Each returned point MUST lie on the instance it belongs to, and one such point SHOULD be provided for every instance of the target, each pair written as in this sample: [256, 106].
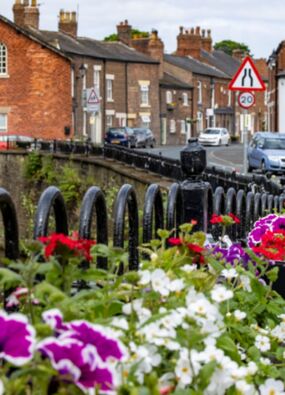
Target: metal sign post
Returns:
[245, 140]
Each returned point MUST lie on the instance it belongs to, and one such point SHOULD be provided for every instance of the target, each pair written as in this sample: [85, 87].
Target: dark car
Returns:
[121, 136]
[267, 152]
[144, 138]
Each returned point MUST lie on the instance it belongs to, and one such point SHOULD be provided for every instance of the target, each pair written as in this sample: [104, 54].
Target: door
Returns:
[163, 131]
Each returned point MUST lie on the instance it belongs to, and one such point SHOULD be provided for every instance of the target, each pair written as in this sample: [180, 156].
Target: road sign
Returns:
[93, 101]
[247, 78]
[246, 99]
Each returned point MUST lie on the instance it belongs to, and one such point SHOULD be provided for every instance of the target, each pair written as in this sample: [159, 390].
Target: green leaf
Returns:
[272, 274]
[254, 353]
[227, 344]
[9, 279]
[206, 373]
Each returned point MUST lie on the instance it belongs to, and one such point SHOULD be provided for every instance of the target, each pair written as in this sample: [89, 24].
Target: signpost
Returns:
[246, 80]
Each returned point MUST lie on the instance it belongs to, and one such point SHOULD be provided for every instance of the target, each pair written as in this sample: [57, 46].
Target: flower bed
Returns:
[195, 318]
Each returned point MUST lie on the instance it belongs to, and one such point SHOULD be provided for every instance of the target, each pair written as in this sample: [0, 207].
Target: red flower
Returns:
[175, 241]
[195, 248]
[216, 219]
[193, 222]
[60, 244]
[272, 245]
[235, 218]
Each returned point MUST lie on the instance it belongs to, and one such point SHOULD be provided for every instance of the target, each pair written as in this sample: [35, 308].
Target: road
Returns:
[230, 158]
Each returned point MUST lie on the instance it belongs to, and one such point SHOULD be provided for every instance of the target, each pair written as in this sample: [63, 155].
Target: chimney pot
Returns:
[203, 32]
[198, 30]
[209, 32]
[73, 16]
[126, 22]
[192, 30]
[34, 3]
[181, 29]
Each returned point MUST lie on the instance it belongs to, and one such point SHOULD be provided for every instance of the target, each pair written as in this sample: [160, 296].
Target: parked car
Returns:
[144, 138]
[266, 152]
[122, 136]
[215, 136]
[11, 141]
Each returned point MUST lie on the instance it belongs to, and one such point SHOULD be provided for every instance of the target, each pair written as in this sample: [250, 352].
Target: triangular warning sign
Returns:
[247, 78]
[93, 98]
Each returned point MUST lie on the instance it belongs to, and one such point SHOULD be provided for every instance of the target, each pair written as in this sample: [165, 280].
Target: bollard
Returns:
[195, 191]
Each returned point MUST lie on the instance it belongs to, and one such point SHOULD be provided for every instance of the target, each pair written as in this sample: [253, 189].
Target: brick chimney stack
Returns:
[207, 40]
[124, 31]
[189, 42]
[239, 54]
[156, 50]
[26, 15]
[68, 23]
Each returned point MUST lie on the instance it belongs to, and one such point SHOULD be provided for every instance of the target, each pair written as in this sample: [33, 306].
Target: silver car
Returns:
[215, 136]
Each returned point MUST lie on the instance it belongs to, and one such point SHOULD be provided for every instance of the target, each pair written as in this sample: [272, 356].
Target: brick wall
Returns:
[37, 93]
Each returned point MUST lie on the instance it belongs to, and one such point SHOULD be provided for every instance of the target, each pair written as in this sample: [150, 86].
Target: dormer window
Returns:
[3, 59]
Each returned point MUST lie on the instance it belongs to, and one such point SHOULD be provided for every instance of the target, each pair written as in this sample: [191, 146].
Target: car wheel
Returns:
[228, 143]
[263, 167]
[249, 169]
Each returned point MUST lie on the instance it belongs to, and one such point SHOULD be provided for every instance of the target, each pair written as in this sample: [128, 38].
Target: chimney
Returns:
[124, 31]
[239, 54]
[189, 42]
[156, 50]
[68, 23]
[18, 12]
[207, 41]
[26, 15]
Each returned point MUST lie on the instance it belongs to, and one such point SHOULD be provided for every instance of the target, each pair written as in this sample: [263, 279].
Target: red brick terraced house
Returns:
[35, 84]
[53, 100]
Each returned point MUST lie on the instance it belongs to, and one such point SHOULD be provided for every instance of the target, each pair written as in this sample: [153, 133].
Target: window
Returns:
[212, 96]
[144, 95]
[168, 97]
[109, 121]
[172, 126]
[97, 81]
[199, 88]
[229, 98]
[3, 122]
[3, 59]
[183, 127]
[185, 99]
[109, 89]
[145, 121]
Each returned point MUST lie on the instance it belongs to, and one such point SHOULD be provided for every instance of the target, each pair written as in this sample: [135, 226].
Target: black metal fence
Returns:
[248, 206]
[167, 167]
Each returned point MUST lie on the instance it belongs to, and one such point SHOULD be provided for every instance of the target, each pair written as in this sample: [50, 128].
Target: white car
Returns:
[215, 136]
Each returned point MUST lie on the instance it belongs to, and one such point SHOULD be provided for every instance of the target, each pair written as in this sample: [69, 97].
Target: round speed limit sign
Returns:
[246, 99]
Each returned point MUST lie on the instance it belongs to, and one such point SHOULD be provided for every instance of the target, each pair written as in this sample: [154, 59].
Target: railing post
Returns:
[195, 192]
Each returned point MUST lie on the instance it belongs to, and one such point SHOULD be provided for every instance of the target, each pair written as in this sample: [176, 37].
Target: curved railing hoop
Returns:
[126, 198]
[153, 204]
[94, 201]
[174, 211]
[10, 221]
[50, 199]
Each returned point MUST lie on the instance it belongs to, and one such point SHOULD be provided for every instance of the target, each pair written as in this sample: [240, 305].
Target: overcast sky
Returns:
[257, 23]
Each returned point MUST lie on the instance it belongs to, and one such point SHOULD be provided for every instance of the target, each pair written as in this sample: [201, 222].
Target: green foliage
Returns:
[33, 166]
[134, 32]
[228, 46]
[70, 184]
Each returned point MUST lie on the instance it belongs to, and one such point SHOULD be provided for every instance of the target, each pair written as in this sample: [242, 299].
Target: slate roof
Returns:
[194, 65]
[93, 48]
[169, 81]
[30, 34]
[221, 61]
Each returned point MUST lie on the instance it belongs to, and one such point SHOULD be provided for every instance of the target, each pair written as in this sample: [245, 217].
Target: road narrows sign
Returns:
[247, 78]
[93, 101]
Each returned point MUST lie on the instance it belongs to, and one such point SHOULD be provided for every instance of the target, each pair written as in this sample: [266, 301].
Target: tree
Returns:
[135, 32]
[228, 46]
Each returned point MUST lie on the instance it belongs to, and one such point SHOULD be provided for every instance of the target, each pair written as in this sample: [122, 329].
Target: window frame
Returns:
[200, 93]
[169, 97]
[5, 128]
[144, 95]
[3, 59]
[185, 99]
[109, 89]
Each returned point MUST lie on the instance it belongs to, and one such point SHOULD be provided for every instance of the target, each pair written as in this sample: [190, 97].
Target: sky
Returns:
[257, 23]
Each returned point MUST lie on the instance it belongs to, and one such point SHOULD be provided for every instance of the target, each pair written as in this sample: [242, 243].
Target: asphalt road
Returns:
[230, 158]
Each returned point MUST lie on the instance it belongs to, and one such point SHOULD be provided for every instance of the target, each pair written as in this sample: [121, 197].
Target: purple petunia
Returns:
[85, 353]
[271, 222]
[17, 339]
[232, 254]
[79, 363]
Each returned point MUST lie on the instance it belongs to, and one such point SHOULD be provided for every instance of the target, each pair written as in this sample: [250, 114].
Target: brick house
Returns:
[30, 103]
[276, 89]
[176, 94]
[125, 81]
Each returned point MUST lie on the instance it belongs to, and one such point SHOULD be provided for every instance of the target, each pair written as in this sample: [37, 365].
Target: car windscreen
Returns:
[139, 132]
[274, 144]
[117, 132]
[211, 131]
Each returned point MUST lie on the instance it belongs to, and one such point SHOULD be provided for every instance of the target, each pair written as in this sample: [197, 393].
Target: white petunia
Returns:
[146, 357]
[189, 268]
[262, 343]
[244, 388]
[245, 283]
[272, 387]
[176, 285]
[229, 274]
[220, 293]
[121, 323]
[145, 277]
[239, 315]
[183, 371]
[279, 332]
[153, 257]
[160, 282]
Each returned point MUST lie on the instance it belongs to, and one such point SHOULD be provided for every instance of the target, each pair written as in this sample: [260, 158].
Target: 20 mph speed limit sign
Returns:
[246, 99]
